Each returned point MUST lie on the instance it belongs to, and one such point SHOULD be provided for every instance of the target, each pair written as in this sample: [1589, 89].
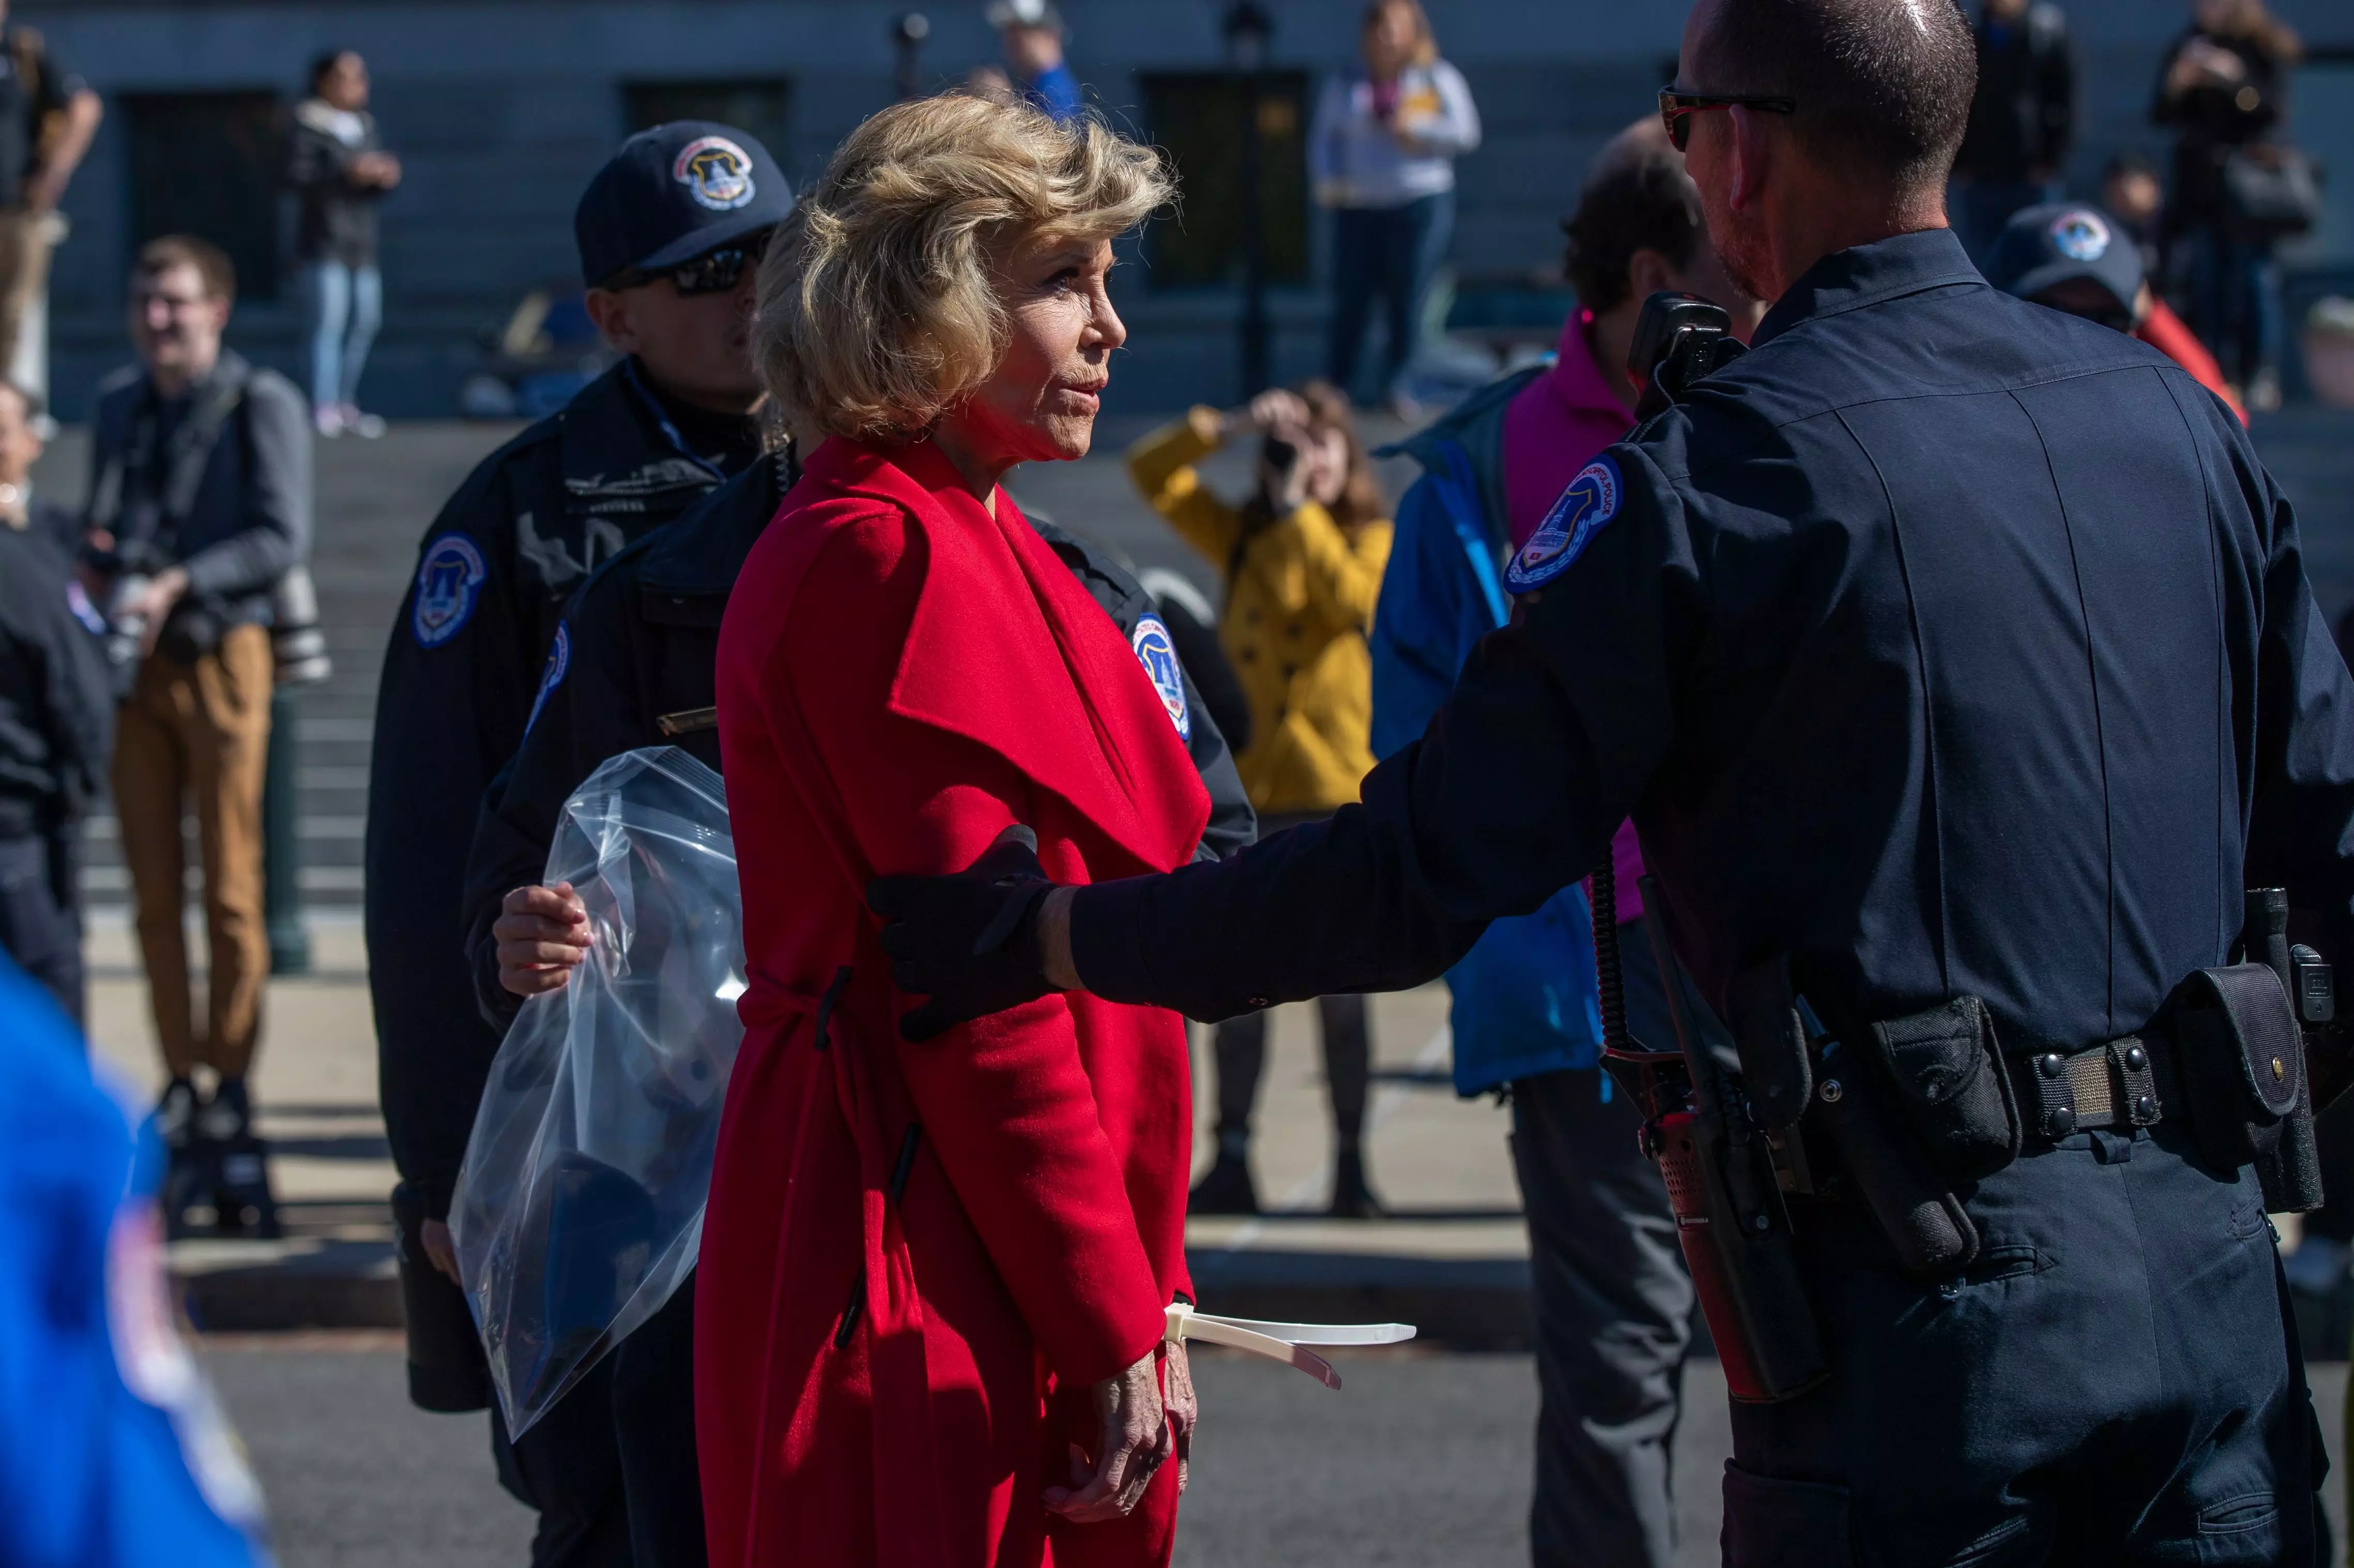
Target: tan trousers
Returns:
[23, 272]
[203, 731]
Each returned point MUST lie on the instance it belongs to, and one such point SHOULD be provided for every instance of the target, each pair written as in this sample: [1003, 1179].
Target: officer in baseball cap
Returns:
[2077, 258]
[669, 233]
[2073, 257]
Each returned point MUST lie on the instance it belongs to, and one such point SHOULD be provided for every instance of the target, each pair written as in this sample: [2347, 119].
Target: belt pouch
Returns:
[1948, 1075]
[1932, 1233]
[2243, 1057]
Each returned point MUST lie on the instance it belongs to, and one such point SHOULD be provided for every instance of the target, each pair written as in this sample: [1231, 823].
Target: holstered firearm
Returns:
[2290, 1169]
[1721, 1175]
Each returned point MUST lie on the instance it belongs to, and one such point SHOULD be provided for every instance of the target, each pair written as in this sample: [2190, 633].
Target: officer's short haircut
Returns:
[1639, 199]
[211, 263]
[882, 309]
[1882, 85]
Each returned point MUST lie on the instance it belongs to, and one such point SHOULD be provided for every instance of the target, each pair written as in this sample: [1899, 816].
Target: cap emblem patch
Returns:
[716, 171]
[2081, 236]
[1590, 500]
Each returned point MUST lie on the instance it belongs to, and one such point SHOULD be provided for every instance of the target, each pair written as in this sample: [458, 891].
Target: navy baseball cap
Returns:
[673, 193]
[2044, 246]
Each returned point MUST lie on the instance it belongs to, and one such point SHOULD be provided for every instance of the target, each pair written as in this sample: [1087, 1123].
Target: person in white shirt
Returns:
[1382, 152]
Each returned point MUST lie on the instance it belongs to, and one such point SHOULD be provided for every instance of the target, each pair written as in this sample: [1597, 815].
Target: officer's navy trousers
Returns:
[40, 917]
[2116, 1379]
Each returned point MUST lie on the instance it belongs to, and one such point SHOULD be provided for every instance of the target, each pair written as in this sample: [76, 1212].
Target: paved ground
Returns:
[1420, 1459]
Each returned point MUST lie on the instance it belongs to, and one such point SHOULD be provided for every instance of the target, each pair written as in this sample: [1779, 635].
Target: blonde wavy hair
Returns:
[879, 310]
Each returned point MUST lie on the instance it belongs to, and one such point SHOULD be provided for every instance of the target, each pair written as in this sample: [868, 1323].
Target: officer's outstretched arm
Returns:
[1513, 793]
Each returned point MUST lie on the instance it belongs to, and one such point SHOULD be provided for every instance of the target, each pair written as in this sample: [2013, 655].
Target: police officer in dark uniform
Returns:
[57, 737]
[670, 232]
[634, 665]
[1956, 662]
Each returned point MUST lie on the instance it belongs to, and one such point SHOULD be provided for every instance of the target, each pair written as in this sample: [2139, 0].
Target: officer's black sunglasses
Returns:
[713, 272]
[1676, 108]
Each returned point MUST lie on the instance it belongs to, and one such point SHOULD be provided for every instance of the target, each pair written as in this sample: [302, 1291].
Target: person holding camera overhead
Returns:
[1302, 562]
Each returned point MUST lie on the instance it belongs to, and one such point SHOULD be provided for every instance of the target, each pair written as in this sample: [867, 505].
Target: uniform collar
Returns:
[619, 454]
[703, 552]
[1867, 274]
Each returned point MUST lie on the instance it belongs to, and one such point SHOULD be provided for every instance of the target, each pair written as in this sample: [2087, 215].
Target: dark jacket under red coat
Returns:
[902, 674]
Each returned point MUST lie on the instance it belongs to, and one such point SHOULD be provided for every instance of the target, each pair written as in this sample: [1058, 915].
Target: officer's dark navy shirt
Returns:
[56, 702]
[640, 642]
[1945, 642]
[465, 658]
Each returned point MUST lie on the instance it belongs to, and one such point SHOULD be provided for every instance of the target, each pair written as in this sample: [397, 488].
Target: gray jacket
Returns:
[227, 496]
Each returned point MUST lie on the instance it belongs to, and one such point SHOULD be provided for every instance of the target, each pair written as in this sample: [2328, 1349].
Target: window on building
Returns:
[1199, 117]
[210, 164]
[762, 106]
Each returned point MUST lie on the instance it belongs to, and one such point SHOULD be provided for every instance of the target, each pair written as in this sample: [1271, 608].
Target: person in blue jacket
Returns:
[1612, 1296]
[112, 1451]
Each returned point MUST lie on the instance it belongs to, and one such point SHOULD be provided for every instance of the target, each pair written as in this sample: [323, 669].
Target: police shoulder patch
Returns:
[1158, 654]
[449, 580]
[1591, 499]
[560, 658]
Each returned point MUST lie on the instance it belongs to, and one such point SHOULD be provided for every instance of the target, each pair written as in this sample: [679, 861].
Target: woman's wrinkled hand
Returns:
[1183, 1405]
[543, 936]
[1136, 1441]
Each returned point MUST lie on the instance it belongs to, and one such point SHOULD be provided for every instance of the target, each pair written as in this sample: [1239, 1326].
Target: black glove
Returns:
[968, 941]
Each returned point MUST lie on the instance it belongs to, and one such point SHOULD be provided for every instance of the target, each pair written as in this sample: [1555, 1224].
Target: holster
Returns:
[2242, 1056]
[1719, 1162]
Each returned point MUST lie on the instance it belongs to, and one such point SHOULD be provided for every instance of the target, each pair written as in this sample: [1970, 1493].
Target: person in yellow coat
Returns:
[1301, 561]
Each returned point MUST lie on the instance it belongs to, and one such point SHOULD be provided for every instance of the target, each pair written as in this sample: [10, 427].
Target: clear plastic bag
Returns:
[579, 1208]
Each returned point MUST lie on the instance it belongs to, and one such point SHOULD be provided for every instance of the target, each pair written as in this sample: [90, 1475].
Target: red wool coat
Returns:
[901, 675]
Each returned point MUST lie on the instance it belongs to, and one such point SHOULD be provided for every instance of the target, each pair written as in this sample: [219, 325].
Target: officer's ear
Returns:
[610, 309]
[1756, 150]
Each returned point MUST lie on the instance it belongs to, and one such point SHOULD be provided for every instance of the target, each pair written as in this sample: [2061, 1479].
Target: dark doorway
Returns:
[762, 106]
[1198, 117]
[210, 164]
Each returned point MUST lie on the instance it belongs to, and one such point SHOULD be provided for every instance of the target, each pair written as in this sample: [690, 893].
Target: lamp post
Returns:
[909, 32]
[1248, 28]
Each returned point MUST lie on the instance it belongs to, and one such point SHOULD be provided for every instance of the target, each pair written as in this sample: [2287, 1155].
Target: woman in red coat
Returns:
[934, 1276]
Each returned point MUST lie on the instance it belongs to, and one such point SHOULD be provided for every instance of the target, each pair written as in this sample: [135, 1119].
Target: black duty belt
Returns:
[2126, 1082]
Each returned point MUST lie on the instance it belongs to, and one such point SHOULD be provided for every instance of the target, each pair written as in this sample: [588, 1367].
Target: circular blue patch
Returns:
[449, 580]
[1159, 657]
[1591, 499]
[560, 658]
[2081, 236]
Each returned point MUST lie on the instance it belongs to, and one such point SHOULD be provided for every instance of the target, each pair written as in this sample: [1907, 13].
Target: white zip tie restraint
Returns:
[1280, 1342]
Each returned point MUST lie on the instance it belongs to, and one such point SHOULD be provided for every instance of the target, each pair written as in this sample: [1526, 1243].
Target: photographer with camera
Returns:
[1301, 561]
[200, 503]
